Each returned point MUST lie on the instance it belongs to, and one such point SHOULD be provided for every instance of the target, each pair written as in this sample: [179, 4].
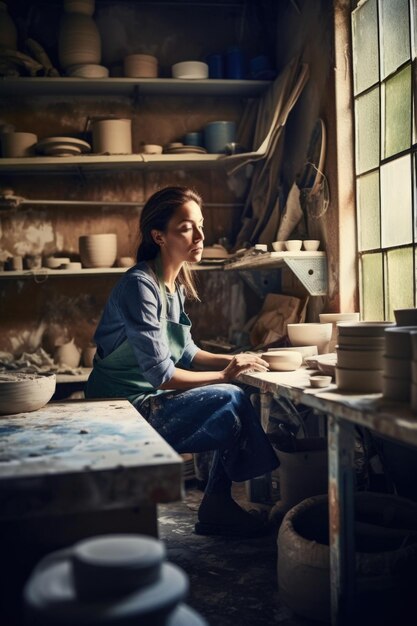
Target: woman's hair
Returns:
[156, 214]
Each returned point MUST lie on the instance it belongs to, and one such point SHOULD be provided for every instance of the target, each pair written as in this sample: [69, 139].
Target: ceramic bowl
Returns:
[53, 262]
[89, 70]
[190, 70]
[396, 388]
[363, 329]
[25, 392]
[74, 266]
[305, 351]
[398, 341]
[320, 381]
[293, 245]
[98, 250]
[311, 244]
[360, 359]
[150, 148]
[282, 361]
[310, 334]
[359, 380]
[278, 246]
[363, 343]
[397, 368]
[335, 318]
[405, 317]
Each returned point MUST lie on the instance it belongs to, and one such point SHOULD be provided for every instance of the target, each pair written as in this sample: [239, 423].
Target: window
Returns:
[384, 84]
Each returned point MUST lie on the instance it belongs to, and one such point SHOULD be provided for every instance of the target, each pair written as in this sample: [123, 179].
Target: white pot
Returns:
[18, 144]
[98, 250]
[113, 136]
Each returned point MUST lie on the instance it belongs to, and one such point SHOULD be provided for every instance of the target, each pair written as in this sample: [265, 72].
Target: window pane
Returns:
[396, 203]
[367, 131]
[395, 34]
[368, 212]
[399, 281]
[372, 305]
[398, 112]
[365, 46]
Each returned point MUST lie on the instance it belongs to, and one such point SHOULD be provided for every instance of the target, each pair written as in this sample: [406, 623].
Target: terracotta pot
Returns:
[79, 40]
[98, 250]
[112, 136]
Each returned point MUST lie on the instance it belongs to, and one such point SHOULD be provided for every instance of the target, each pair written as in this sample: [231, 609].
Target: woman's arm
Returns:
[184, 379]
[202, 358]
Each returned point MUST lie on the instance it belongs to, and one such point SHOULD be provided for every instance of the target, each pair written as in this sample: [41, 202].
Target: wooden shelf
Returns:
[40, 164]
[130, 87]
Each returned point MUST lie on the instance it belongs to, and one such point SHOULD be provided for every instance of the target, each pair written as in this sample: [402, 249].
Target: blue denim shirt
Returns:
[132, 312]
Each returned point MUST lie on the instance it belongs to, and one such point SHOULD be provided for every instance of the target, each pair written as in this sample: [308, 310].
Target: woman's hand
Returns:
[244, 363]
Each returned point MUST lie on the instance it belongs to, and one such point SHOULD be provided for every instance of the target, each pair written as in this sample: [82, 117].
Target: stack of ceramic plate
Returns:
[360, 352]
[62, 146]
[335, 318]
[179, 148]
[397, 363]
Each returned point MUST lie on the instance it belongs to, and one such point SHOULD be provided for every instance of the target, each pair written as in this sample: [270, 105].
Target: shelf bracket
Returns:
[262, 282]
[311, 272]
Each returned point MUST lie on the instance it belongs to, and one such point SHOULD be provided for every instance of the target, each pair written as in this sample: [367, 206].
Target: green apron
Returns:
[117, 375]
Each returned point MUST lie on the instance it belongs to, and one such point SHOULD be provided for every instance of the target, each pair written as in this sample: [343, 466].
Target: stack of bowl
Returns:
[360, 352]
[98, 250]
[334, 319]
[397, 363]
[310, 334]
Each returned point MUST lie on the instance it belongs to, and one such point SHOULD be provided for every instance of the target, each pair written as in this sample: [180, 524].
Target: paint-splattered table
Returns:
[81, 457]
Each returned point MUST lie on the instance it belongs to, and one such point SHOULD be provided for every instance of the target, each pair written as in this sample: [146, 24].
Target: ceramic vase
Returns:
[79, 40]
[8, 32]
[68, 354]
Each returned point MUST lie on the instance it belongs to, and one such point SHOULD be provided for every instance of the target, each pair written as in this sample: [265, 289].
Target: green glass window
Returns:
[394, 34]
[397, 122]
[399, 291]
[369, 226]
[372, 293]
[365, 37]
[396, 203]
[367, 131]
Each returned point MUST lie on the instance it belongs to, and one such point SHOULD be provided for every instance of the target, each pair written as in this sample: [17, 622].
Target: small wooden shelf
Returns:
[65, 86]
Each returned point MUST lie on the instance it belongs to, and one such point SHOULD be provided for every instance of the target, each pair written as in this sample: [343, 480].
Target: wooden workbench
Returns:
[394, 420]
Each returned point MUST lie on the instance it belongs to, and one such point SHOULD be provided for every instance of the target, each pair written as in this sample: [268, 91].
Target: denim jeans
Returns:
[214, 417]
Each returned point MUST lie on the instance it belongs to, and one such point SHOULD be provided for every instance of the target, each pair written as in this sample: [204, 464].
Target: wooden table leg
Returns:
[341, 519]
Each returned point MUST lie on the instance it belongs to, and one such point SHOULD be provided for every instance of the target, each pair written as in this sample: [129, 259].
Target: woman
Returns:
[145, 352]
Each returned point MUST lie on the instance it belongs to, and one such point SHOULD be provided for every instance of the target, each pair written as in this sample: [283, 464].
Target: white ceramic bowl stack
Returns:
[397, 363]
[21, 392]
[98, 250]
[334, 319]
[310, 334]
[360, 351]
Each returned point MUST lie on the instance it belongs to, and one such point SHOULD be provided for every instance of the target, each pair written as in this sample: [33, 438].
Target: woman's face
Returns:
[183, 238]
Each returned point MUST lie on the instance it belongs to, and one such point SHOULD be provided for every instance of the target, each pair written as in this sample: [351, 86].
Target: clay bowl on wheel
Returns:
[283, 360]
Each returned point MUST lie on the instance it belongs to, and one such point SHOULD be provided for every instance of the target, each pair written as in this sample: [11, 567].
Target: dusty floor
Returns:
[232, 582]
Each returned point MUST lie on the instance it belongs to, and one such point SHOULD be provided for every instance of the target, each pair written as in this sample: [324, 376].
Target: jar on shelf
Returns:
[8, 32]
[79, 41]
